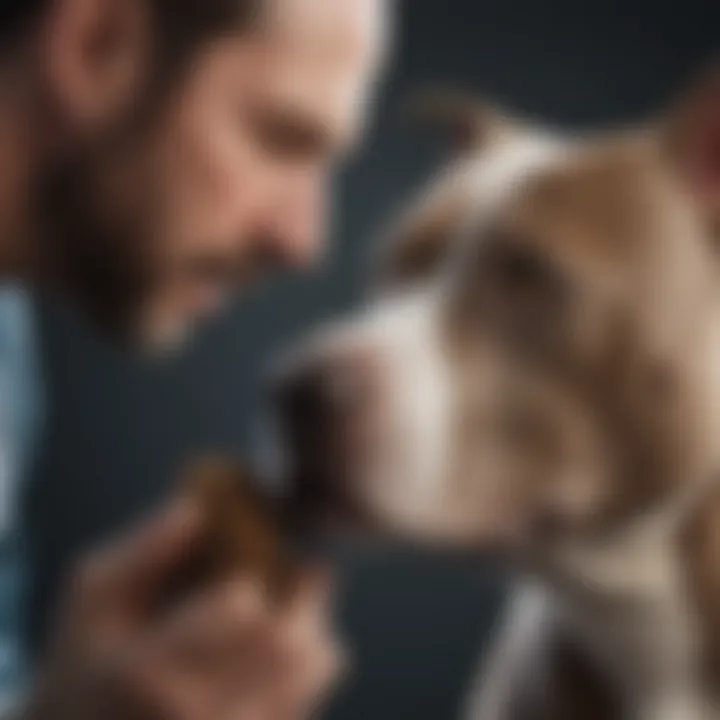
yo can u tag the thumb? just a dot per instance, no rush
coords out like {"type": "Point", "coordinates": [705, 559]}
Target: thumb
{"type": "Point", "coordinates": [135, 569]}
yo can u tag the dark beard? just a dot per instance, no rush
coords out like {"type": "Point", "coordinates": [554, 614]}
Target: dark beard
{"type": "Point", "coordinates": [95, 242]}
{"type": "Point", "coordinates": [95, 252]}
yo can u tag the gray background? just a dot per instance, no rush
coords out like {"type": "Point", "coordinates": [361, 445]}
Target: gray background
{"type": "Point", "coordinates": [118, 428]}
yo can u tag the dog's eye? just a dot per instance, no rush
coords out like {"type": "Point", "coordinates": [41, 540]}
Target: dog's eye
{"type": "Point", "coordinates": [514, 265]}
{"type": "Point", "coordinates": [518, 290]}
{"type": "Point", "coordinates": [514, 269]}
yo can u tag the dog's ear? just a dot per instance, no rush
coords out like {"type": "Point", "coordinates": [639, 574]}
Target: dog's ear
{"type": "Point", "coordinates": [691, 138]}
{"type": "Point", "coordinates": [469, 122]}
{"type": "Point", "coordinates": [418, 243]}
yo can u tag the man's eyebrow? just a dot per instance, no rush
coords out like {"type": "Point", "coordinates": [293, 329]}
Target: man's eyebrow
{"type": "Point", "coordinates": [299, 130]}
{"type": "Point", "coordinates": [312, 130]}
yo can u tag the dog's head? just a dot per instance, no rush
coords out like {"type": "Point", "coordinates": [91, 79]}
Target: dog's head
{"type": "Point", "coordinates": [539, 359]}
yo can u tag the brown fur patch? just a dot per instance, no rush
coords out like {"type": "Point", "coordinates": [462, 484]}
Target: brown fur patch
{"type": "Point", "coordinates": [700, 555]}
{"type": "Point", "coordinates": [592, 286]}
{"type": "Point", "coordinates": [572, 687]}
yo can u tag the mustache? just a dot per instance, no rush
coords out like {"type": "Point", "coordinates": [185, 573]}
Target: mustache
{"type": "Point", "coordinates": [261, 257]}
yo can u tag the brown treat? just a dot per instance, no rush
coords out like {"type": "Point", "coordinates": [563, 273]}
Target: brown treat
{"type": "Point", "coordinates": [243, 533]}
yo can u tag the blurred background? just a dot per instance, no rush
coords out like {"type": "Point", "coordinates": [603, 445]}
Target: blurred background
{"type": "Point", "coordinates": [118, 429]}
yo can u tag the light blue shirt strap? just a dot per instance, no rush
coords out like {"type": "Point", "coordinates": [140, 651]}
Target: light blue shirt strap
{"type": "Point", "coordinates": [19, 417]}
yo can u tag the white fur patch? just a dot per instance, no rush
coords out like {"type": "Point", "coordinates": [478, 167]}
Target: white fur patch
{"type": "Point", "coordinates": [493, 175]}
{"type": "Point", "coordinates": [405, 336]}
{"type": "Point", "coordinates": [404, 332]}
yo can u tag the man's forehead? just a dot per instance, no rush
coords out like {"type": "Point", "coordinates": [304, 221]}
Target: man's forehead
{"type": "Point", "coordinates": [359, 26]}
{"type": "Point", "coordinates": [322, 58]}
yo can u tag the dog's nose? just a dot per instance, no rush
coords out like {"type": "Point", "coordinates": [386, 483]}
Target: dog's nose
{"type": "Point", "coordinates": [322, 401]}
{"type": "Point", "coordinates": [299, 391]}
{"type": "Point", "coordinates": [322, 390]}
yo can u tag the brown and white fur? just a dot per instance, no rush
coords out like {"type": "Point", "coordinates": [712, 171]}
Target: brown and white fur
{"type": "Point", "coordinates": [538, 375]}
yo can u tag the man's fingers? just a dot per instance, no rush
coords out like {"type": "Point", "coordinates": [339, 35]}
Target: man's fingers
{"type": "Point", "coordinates": [232, 647]}
{"type": "Point", "coordinates": [313, 597]}
{"type": "Point", "coordinates": [316, 673]}
{"type": "Point", "coordinates": [313, 660]}
{"type": "Point", "coordinates": [208, 652]}
{"type": "Point", "coordinates": [216, 628]}
{"type": "Point", "coordinates": [302, 683]}
{"type": "Point", "coordinates": [135, 568]}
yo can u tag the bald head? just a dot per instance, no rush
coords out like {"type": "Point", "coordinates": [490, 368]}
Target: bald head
{"type": "Point", "coordinates": [356, 25]}
{"type": "Point", "coordinates": [329, 54]}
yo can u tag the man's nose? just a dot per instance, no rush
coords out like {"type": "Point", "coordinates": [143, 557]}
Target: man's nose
{"type": "Point", "coordinates": [299, 227]}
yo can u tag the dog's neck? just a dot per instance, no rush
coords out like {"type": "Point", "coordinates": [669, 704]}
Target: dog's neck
{"type": "Point", "coordinates": [630, 564]}
{"type": "Point", "coordinates": [626, 600]}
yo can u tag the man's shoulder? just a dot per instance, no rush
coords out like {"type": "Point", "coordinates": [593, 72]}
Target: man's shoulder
{"type": "Point", "coordinates": [17, 313]}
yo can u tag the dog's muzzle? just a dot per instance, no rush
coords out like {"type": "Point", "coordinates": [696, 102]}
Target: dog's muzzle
{"type": "Point", "coordinates": [324, 402]}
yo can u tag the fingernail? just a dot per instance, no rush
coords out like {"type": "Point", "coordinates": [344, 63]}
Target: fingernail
{"type": "Point", "coordinates": [325, 586]}
{"type": "Point", "coordinates": [248, 595]}
{"type": "Point", "coordinates": [183, 511]}
{"type": "Point", "coordinates": [319, 580]}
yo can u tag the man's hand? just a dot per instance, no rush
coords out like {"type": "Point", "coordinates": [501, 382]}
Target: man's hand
{"type": "Point", "coordinates": [226, 655]}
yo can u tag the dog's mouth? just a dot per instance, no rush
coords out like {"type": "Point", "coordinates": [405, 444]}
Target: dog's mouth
{"type": "Point", "coordinates": [321, 434]}
{"type": "Point", "coordinates": [319, 493]}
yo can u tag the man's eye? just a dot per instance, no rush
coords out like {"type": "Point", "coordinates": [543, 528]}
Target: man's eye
{"type": "Point", "coordinates": [289, 138]}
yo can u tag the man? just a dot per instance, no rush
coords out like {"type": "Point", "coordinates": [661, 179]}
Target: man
{"type": "Point", "coordinates": [156, 154]}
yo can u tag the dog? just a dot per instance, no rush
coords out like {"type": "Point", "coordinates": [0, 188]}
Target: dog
{"type": "Point", "coordinates": [537, 375]}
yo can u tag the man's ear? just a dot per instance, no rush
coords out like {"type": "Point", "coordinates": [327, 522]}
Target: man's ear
{"type": "Point", "coordinates": [469, 122]}
{"type": "Point", "coordinates": [691, 139]}
{"type": "Point", "coordinates": [96, 57]}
